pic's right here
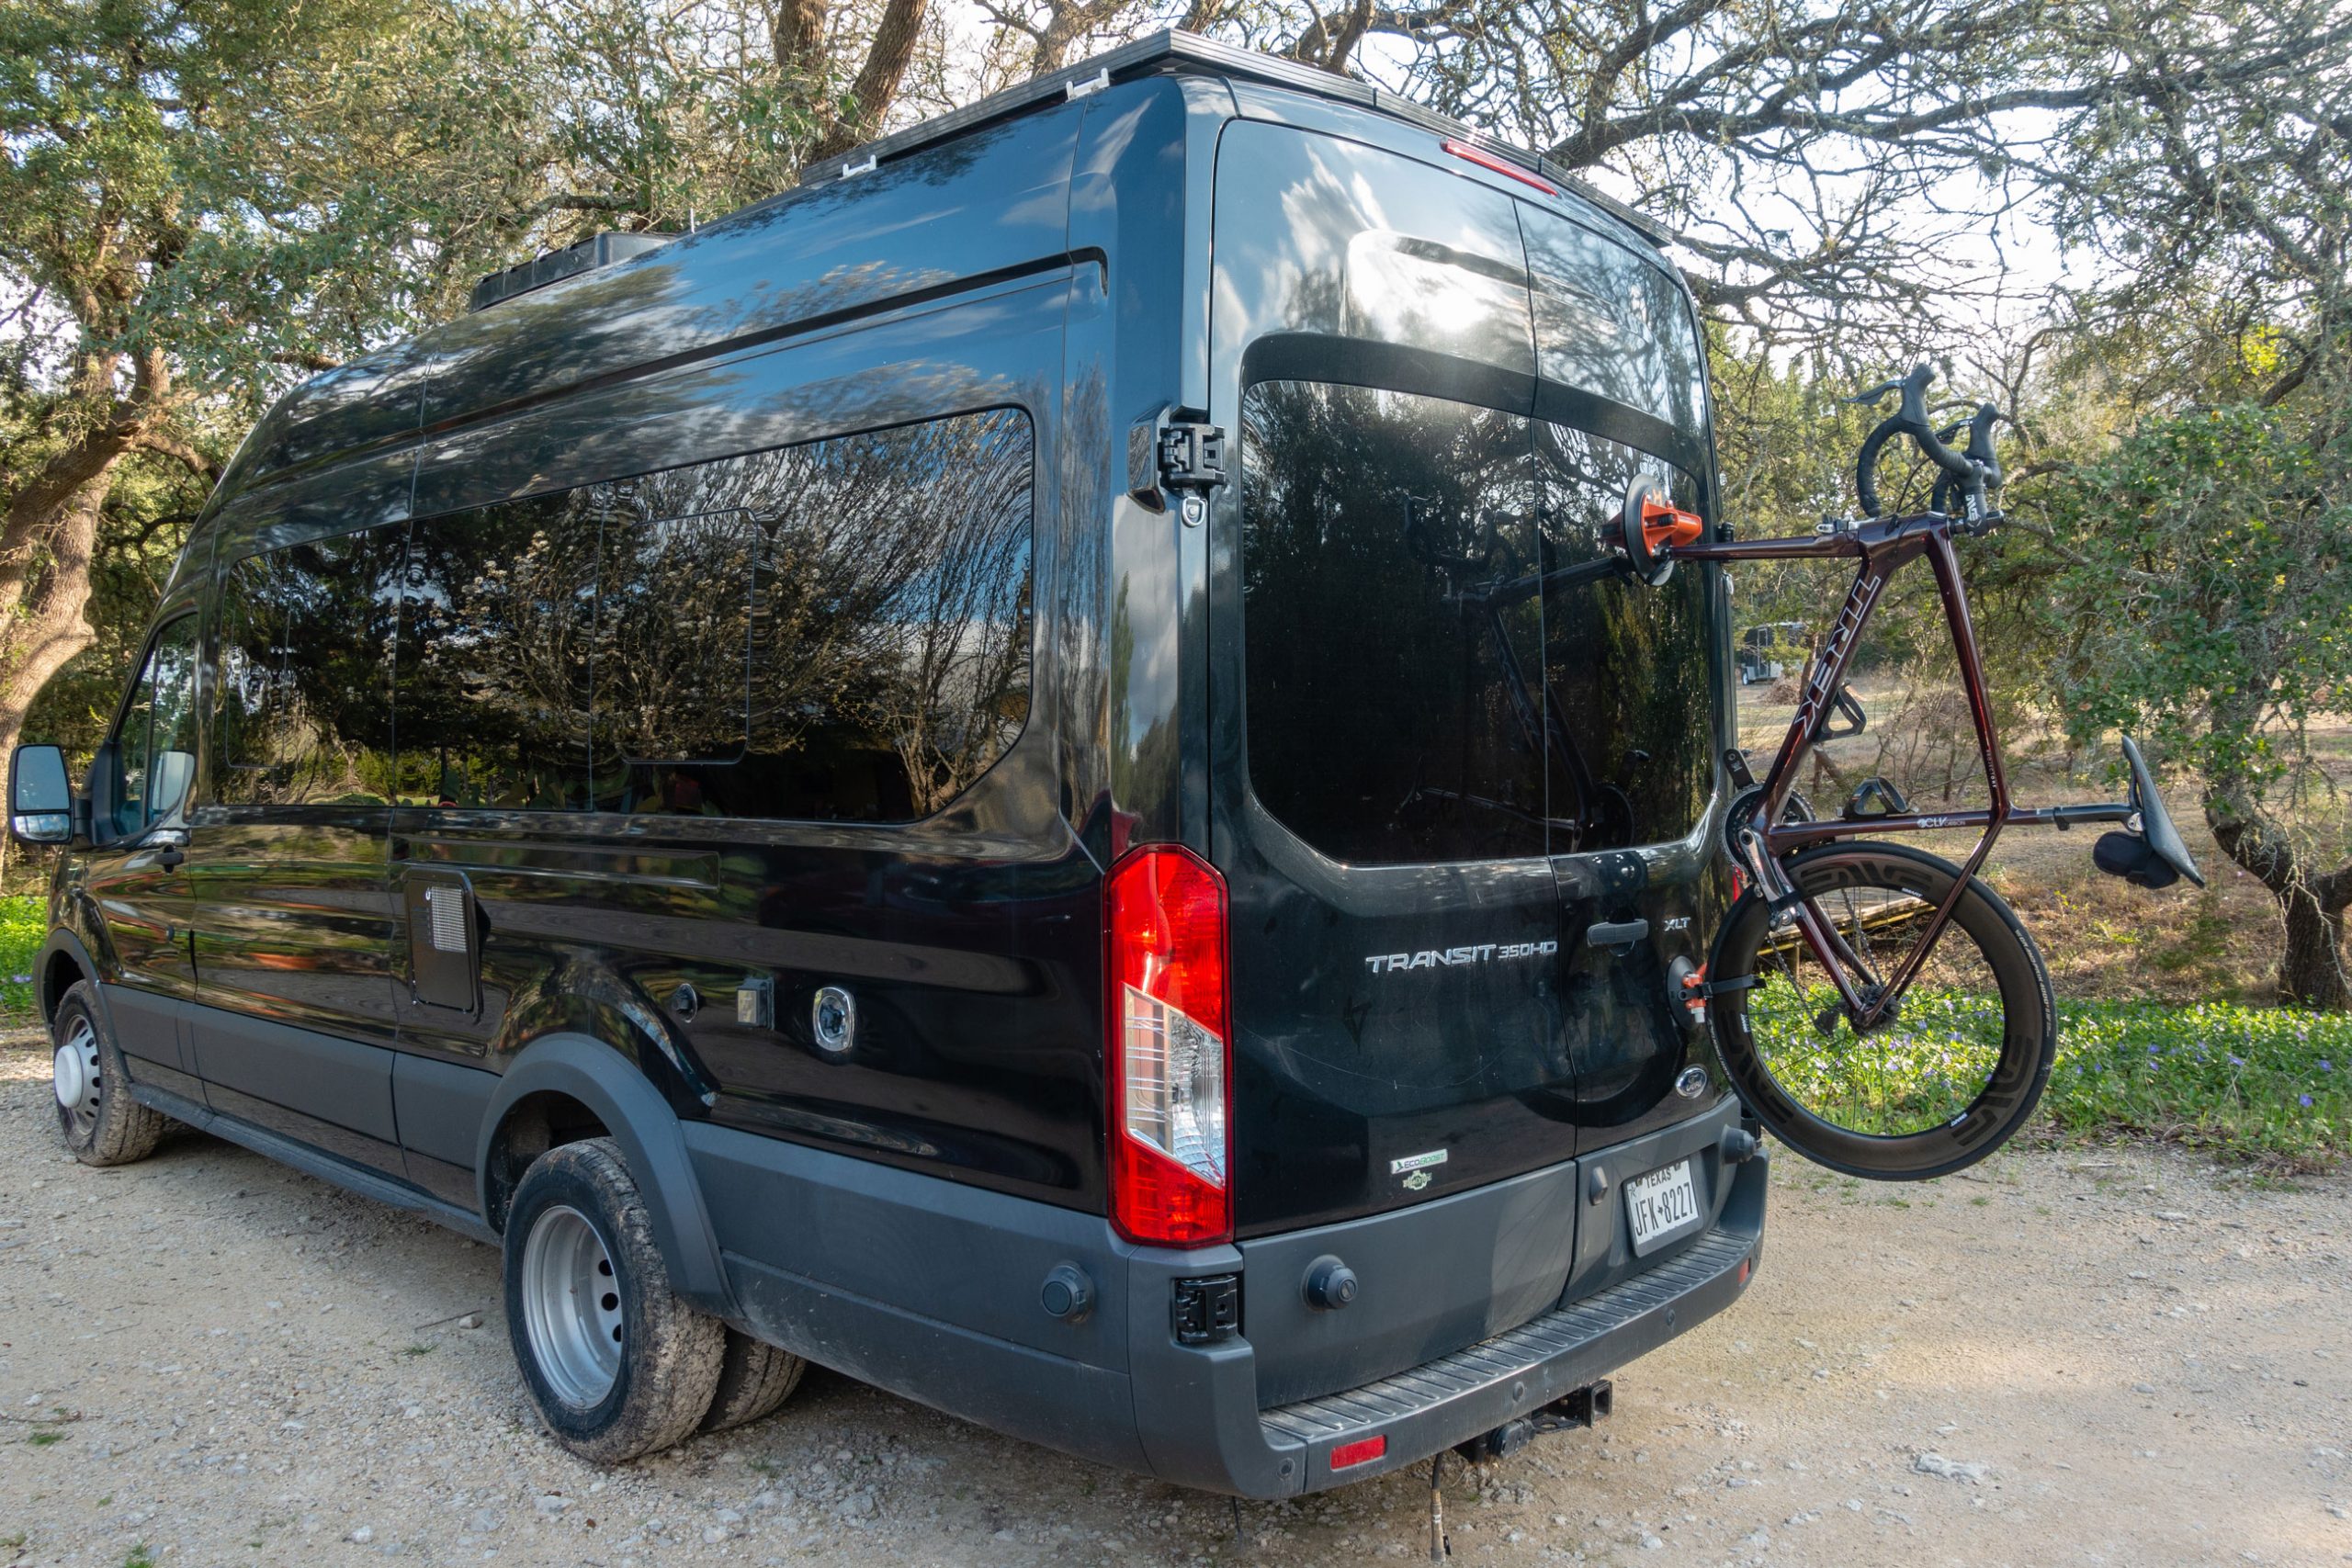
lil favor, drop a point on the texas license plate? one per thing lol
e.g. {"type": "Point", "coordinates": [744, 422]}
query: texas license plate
{"type": "Point", "coordinates": [1662, 1206]}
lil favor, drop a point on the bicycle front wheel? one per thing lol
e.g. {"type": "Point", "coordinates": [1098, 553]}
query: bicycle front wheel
{"type": "Point", "coordinates": [1947, 1079]}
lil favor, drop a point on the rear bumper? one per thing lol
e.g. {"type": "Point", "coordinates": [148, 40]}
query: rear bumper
{"type": "Point", "coordinates": [932, 1288]}
{"type": "Point", "coordinates": [1457, 1397]}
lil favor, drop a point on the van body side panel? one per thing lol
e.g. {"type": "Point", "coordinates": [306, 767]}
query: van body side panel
{"type": "Point", "coordinates": [992, 202]}
{"type": "Point", "coordinates": [961, 924]}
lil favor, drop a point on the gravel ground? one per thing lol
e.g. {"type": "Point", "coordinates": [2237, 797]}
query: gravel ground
{"type": "Point", "coordinates": [2122, 1356]}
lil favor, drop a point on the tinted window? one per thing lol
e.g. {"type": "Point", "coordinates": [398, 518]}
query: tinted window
{"type": "Point", "coordinates": [1608, 322]}
{"type": "Point", "coordinates": [849, 639]}
{"type": "Point", "coordinates": [1384, 723]}
{"type": "Point", "coordinates": [155, 742]}
{"type": "Point", "coordinates": [1628, 681]}
{"type": "Point", "coordinates": [497, 615]}
{"type": "Point", "coordinates": [833, 631]}
{"type": "Point", "coordinates": [305, 692]}
{"type": "Point", "coordinates": [1444, 661]}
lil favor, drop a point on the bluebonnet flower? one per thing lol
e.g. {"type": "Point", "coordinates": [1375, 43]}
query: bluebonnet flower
{"type": "Point", "coordinates": [2306, 1100]}
{"type": "Point", "coordinates": [2237, 1061]}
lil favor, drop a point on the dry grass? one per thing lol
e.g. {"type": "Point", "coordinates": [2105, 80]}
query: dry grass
{"type": "Point", "coordinates": [2104, 939]}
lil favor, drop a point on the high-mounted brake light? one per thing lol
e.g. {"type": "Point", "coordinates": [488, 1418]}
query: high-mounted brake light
{"type": "Point", "coordinates": [1503, 166]}
{"type": "Point", "coordinates": [1169, 1057]}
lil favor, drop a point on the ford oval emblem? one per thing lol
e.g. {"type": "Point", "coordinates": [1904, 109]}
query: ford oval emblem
{"type": "Point", "coordinates": [1693, 1083]}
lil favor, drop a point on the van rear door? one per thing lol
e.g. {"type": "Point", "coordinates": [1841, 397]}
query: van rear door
{"type": "Point", "coordinates": [1450, 736]}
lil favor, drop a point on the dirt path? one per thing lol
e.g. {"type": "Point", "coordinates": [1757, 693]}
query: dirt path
{"type": "Point", "coordinates": [2122, 1358]}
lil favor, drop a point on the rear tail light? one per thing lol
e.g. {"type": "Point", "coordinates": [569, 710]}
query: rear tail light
{"type": "Point", "coordinates": [1169, 1057]}
{"type": "Point", "coordinates": [1363, 1450]}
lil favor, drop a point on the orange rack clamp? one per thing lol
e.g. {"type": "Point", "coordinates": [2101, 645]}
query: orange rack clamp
{"type": "Point", "coordinates": [1663, 525]}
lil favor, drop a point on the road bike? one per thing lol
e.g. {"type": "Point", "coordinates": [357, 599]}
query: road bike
{"type": "Point", "coordinates": [1878, 1007]}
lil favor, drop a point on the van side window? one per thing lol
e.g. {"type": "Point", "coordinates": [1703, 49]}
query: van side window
{"type": "Point", "coordinates": [497, 610]}
{"type": "Point", "coordinates": [848, 640]}
{"type": "Point", "coordinates": [155, 741]}
{"type": "Point", "coordinates": [305, 638]}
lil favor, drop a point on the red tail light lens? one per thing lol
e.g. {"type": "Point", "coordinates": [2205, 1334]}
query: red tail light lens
{"type": "Point", "coordinates": [1169, 1056]}
{"type": "Point", "coordinates": [1363, 1450]}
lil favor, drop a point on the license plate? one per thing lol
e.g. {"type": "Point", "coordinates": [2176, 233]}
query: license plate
{"type": "Point", "coordinates": [1662, 1206]}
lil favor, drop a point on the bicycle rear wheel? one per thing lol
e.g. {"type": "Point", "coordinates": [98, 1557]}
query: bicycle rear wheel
{"type": "Point", "coordinates": [1946, 1080]}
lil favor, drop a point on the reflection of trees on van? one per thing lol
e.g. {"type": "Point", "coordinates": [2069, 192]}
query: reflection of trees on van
{"type": "Point", "coordinates": [856, 636]}
{"type": "Point", "coordinates": [1381, 724]}
{"type": "Point", "coordinates": [1387, 722]}
{"type": "Point", "coordinates": [834, 630]}
{"type": "Point", "coordinates": [498, 608]}
{"type": "Point", "coordinates": [305, 638]}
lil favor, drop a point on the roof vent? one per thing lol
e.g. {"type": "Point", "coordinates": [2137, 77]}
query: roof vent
{"type": "Point", "coordinates": [597, 249]}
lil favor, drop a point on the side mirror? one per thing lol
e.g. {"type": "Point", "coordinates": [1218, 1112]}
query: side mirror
{"type": "Point", "coordinates": [40, 796]}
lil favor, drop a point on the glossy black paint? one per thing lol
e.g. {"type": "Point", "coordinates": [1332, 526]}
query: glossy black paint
{"type": "Point", "coordinates": [1410, 976]}
{"type": "Point", "coordinates": [472, 539]}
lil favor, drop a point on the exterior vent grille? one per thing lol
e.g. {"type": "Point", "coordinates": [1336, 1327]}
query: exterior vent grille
{"type": "Point", "coordinates": [448, 906]}
{"type": "Point", "coordinates": [597, 249]}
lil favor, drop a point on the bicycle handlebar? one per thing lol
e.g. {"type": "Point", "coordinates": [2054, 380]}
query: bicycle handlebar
{"type": "Point", "coordinates": [1967, 475]}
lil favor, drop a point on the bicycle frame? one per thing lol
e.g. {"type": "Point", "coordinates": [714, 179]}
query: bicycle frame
{"type": "Point", "coordinates": [1883, 547]}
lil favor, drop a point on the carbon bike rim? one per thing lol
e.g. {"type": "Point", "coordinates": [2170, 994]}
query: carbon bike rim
{"type": "Point", "coordinates": [1944, 1082]}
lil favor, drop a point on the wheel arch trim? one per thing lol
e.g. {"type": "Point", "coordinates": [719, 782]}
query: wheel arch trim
{"type": "Point", "coordinates": [652, 1146]}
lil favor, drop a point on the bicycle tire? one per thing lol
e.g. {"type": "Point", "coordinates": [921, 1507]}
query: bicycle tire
{"type": "Point", "coordinates": [2028, 1015]}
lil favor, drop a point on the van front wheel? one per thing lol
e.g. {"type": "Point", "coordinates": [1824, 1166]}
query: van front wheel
{"type": "Point", "coordinates": [618, 1365]}
{"type": "Point", "coordinates": [101, 1124]}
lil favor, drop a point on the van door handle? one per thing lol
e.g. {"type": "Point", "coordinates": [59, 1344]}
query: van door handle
{"type": "Point", "coordinates": [1618, 935]}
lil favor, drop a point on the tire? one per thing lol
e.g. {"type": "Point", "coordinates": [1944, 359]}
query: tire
{"type": "Point", "coordinates": [616, 1363]}
{"type": "Point", "coordinates": [754, 1377]}
{"type": "Point", "coordinates": [103, 1125]}
{"type": "Point", "coordinates": [1996, 1032]}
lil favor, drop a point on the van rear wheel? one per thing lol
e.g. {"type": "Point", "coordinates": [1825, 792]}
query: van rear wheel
{"type": "Point", "coordinates": [755, 1378]}
{"type": "Point", "coordinates": [616, 1363]}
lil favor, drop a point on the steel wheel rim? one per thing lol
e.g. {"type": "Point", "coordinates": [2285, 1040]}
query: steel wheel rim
{"type": "Point", "coordinates": [571, 1306]}
{"type": "Point", "coordinates": [74, 1077]}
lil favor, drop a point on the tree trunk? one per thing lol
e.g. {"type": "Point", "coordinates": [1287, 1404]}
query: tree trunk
{"type": "Point", "coordinates": [2311, 964]}
{"type": "Point", "coordinates": [2311, 970]}
{"type": "Point", "coordinates": [51, 629]}
{"type": "Point", "coordinates": [878, 80]}
{"type": "Point", "coordinates": [796, 27]}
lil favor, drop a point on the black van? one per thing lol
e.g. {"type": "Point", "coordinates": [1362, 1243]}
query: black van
{"type": "Point", "coordinates": [1029, 772]}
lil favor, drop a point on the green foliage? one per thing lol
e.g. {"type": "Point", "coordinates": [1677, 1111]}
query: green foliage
{"type": "Point", "coordinates": [24, 926]}
{"type": "Point", "coordinates": [2211, 587]}
{"type": "Point", "coordinates": [2266, 1083]}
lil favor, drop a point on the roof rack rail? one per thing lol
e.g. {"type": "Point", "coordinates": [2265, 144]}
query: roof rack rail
{"type": "Point", "coordinates": [1173, 51]}
{"type": "Point", "coordinates": [551, 266]}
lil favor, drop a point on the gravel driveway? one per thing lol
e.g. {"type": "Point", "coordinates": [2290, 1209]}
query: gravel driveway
{"type": "Point", "coordinates": [2105, 1357]}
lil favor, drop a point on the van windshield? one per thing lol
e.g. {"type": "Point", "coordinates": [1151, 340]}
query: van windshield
{"type": "Point", "coordinates": [1443, 663]}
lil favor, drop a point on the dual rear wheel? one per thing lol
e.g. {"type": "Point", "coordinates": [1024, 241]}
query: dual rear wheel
{"type": "Point", "coordinates": [617, 1364]}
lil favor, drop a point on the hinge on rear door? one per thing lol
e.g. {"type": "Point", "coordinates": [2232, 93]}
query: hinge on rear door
{"type": "Point", "coordinates": [1192, 456]}
{"type": "Point", "coordinates": [1172, 454]}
